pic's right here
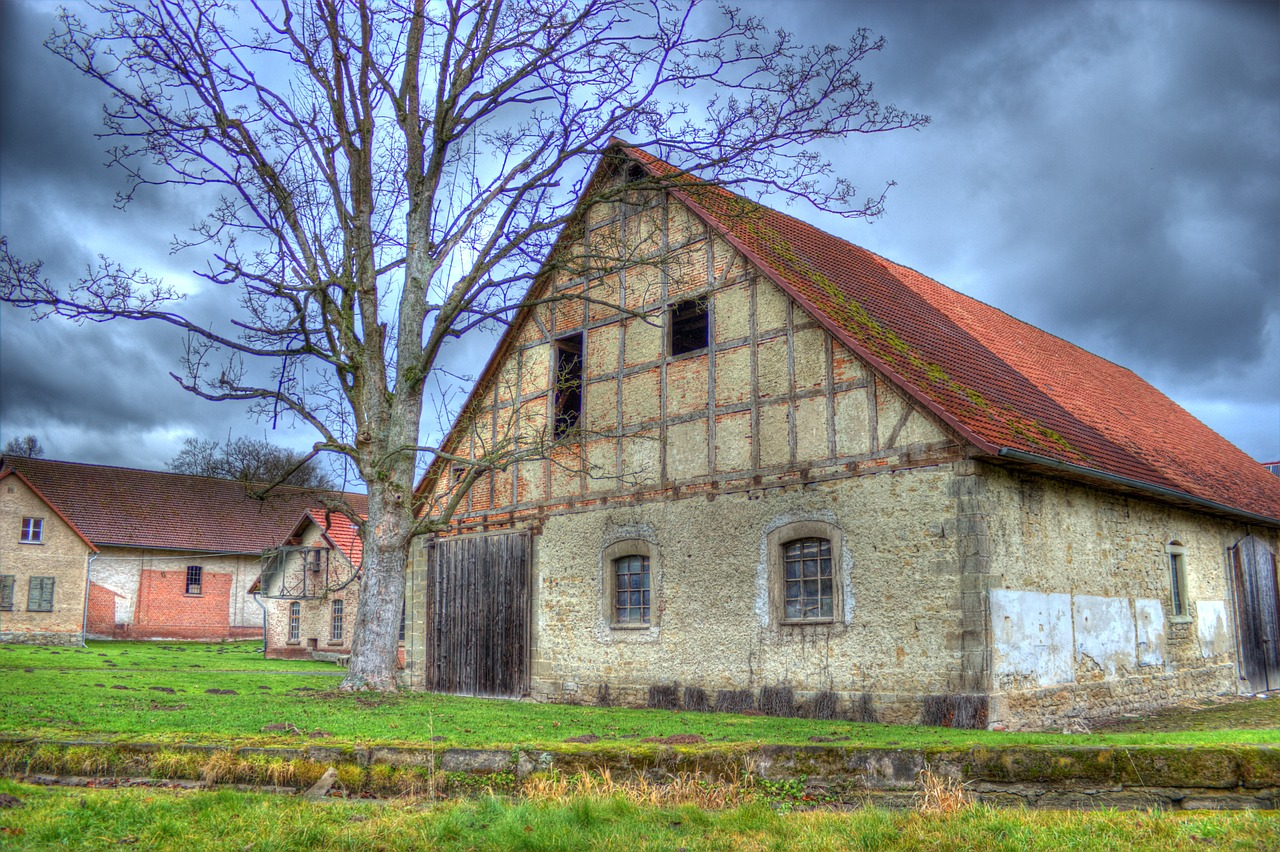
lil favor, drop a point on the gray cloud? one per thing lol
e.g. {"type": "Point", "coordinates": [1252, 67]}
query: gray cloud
{"type": "Point", "coordinates": [1109, 171]}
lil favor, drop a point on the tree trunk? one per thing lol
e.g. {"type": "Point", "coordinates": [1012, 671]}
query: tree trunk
{"type": "Point", "coordinates": [376, 637]}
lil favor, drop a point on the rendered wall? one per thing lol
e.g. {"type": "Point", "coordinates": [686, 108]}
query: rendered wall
{"type": "Point", "coordinates": [61, 554]}
{"type": "Point", "coordinates": [895, 640]}
{"type": "Point", "coordinates": [1081, 618]}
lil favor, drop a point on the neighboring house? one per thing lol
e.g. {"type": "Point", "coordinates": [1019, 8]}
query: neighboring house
{"type": "Point", "coordinates": [310, 588]}
{"type": "Point", "coordinates": [44, 562]}
{"type": "Point", "coordinates": [796, 476]}
{"type": "Point", "coordinates": [176, 553]}
{"type": "Point", "coordinates": [1273, 467]}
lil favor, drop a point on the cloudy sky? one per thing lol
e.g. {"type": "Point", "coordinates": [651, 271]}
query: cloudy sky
{"type": "Point", "coordinates": [1108, 171]}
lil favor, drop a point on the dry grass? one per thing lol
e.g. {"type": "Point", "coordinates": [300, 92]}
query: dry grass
{"type": "Point", "coordinates": [687, 788]}
{"type": "Point", "coordinates": [940, 794]}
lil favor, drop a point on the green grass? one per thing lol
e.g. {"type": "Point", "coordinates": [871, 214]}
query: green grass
{"type": "Point", "coordinates": [120, 691]}
{"type": "Point", "coordinates": [151, 819]}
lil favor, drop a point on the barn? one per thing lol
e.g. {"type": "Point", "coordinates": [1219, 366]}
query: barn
{"type": "Point", "coordinates": [723, 459]}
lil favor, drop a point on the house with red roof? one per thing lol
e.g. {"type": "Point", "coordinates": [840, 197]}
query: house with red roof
{"type": "Point", "coordinates": [173, 555]}
{"type": "Point", "coordinates": [310, 588]}
{"type": "Point", "coordinates": [723, 459]}
{"type": "Point", "coordinates": [44, 561]}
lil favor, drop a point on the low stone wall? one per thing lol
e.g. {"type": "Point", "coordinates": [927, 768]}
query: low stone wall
{"type": "Point", "coordinates": [1077, 777]}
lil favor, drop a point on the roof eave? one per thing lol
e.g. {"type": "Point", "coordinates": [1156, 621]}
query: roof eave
{"type": "Point", "coordinates": [1165, 494]}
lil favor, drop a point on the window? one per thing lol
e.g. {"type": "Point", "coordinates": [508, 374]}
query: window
{"type": "Point", "coordinates": [1178, 580]}
{"type": "Point", "coordinates": [40, 595]}
{"type": "Point", "coordinates": [32, 530]}
{"type": "Point", "coordinates": [295, 621]}
{"type": "Point", "coordinates": [804, 569]}
{"type": "Point", "coordinates": [402, 615]}
{"type": "Point", "coordinates": [568, 389]}
{"type": "Point", "coordinates": [335, 632]}
{"type": "Point", "coordinates": [631, 590]}
{"type": "Point", "coordinates": [808, 588]}
{"type": "Point", "coordinates": [629, 571]}
{"type": "Point", "coordinates": [6, 592]}
{"type": "Point", "coordinates": [195, 574]}
{"type": "Point", "coordinates": [687, 326]}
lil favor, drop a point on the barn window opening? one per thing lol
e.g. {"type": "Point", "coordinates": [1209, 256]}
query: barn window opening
{"type": "Point", "coordinates": [631, 584]}
{"type": "Point", "coordinates": [335, 632]}
{"type": "Point", "coordinates": [688, 326]}
{"type": "Point", "coordinates": [1178, 580]}
{"type": "Point", "coordinates": [568, 388]}
{"type": "Point", "coordinates": [195, 579]}
{"type": "Point", "coordinates": [808, 587]}
{"type": "Point", "coordinates": [295, 621]}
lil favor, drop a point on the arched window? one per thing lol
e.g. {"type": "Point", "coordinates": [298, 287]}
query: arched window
{"type": "Point", "coordinates": [808, 583]}
{"type": "Point", "coordinates": [630, 587]}
{"type": "Point", "coordinates": [804, 573]}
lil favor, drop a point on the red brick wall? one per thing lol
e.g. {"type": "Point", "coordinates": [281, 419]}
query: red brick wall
{"type": "Point", "coordinates": [165, 610]}
{"type": "Point", "coordinates": [102, 610]}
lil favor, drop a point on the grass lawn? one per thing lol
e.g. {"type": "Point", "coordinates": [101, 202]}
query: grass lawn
{"type": "Point", "coordinates": [228, 694]}
{"type": "Point", "coordinates": [149, 819]}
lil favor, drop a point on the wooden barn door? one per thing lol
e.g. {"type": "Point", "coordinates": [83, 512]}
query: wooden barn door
{"type": "Point", "coordinates": [1257, 612]}
{"type": "Point", "coordinates": [478, 615]}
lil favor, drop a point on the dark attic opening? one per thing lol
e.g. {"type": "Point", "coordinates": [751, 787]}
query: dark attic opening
{"type": "Point", "coordinates": [568, 384]}
{"type": "Point", "coordinates": [688, 324]}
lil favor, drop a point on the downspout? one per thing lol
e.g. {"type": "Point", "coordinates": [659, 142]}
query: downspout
{"type": "Point", "coordinates": [258, 600]}
{"type": "Point", "coordinates": [88, 578]}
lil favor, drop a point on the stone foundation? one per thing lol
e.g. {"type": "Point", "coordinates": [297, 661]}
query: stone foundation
{"type": "Point", "coordinates": [39, 638]}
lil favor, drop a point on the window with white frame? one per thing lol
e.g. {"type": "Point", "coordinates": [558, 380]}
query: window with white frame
{"type": "Point", "coordinates": [335, 621]}
{"type": "Point", "coordinates": [32, 530]}
{"type": "Point", "coordinates": [1179, 602]}
{"type": "Point", "coordinates": [295, 621]}
{"type": "Point", "coordinates": [804, 573]}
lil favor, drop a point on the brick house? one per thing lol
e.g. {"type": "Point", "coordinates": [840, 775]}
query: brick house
{"type": "Point", "coordinates": [793, 475]}
{"type": "Point", "coordinates": [44, 562]}
{"type": "Point", "coordinates": [310, 588]}
{"type": "Point", "coordinates": [175, 554]}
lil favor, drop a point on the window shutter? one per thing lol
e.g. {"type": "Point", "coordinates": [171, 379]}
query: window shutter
{"type": "Point", "coordinates": [40, 594]}
{"type": "Point", "coordinates": [6, 592]}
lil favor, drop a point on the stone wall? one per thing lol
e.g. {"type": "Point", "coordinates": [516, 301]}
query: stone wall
{"type": "Point", "coordinates": [60, 554]}
{"type": "Point", "coordinates": [1080, 602]}
{"type": "Point", "coordinates": [896, 638]}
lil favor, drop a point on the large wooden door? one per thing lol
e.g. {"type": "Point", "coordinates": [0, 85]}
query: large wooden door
{"type": "Point", "coordinates": [478, 594]}
{"type": "Point", "coordinates": [1257, 612]}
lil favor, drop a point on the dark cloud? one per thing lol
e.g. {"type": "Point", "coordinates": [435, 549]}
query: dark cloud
{"type": "Point", "coordinates": [1109, 171]}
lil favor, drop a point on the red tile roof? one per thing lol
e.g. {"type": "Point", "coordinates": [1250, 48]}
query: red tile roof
{"type": "Point", "coordinates": [151, 509]}
{"type": "Point", "coordinates": [1009, 388]}
{"type": "Point", "coordinates": [8, 471]}
{"type": "Point", "coordinates": [340, 532]}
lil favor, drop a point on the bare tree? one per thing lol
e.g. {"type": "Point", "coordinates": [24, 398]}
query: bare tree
{"type": "Point", "coordinates": [391, 175]}
{"type": "Point", "coordinates": [27, 446]}
{"type": "Point", "coordinates": [252, 460]}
